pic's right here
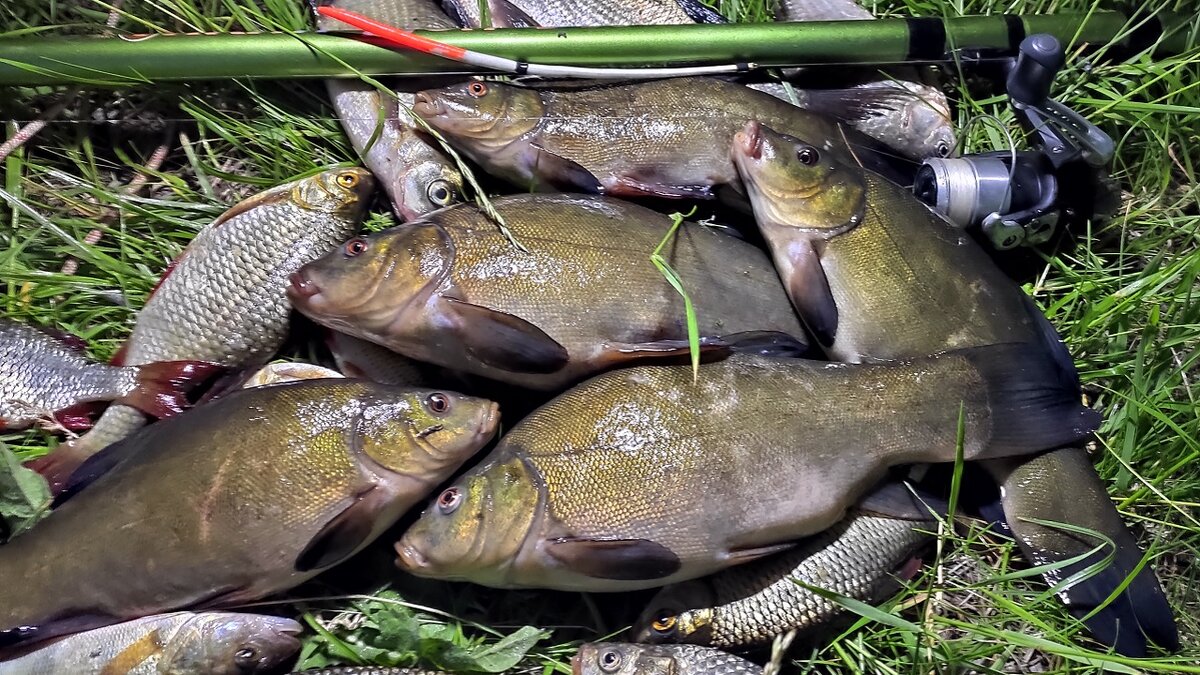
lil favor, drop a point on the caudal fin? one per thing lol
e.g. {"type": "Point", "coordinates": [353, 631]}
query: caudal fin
{"type": "Point", "coordinates": [162, 387]}
{"type": "Point", "coordinates": [1033, 399]}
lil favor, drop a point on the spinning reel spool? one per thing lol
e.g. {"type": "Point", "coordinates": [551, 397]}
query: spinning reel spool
{"type": "Point", "coordinates": [1019, 198]}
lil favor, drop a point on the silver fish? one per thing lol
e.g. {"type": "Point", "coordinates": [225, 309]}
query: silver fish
{"type": "Point", "coordinates": [181, 643]}
{"type": "Point", "coordinates": [223, 299]}
{"type": "Point", "coordinates": [50, 380]}
{"type": "Point", "coordinates": [561, 13]}
{"type": "Point", "coordinates": [417, 176]}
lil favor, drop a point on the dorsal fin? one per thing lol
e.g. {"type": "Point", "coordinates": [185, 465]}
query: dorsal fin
{"type": "Point", "coordinates": [272, 196]}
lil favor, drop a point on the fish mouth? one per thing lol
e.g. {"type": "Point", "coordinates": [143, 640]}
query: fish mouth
{"type": "Point", "coordinates": [490, 420]}
{"type": "Point", "coordinates": [750, 140]}
{"type": "Point", "coordinates": [409, 558]}
{"type": "Point", "coordinates": [300, 286]}
{"type": "Point", "coordinates": [426, 106]}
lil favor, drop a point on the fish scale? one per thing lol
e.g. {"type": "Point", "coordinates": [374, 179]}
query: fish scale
{"type": "Point", "coordinates": [224, 300]}
{"type": "Point", "coordinates": [637, 659]}
{"type": "Point", "coordinates": [562, 13]}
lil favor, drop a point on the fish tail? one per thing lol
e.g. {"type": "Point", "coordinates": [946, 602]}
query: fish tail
{"type": "Point", "coordinates": [162, 388]}
{"type": "Point", "coordinates": [58, 466]}
{"type": "Point", "coordinates": [1062, 487]}
{"type": "Point", "coordinates": [1033, 398]}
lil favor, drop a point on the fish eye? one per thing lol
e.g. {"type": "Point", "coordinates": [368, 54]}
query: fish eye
{"type": "Point", "coordinates": [246, 657]}
{"type": "Point", "coordinates": [610, 660]}
{"type": "Point", "coordinates": [347, 180]}
{"type": "Point", "coordinates": [355, 247]}
{"type": "Point", "coordinates": [439, 192]}
{"type": "Point", "coordinates": [665, 623]}
{"type": "Point", "coordinates": [438, 403]}
{"type": "Point", "coordinates": [808, 155]}
{"type": "Point", "coordinates": [449, 501]}
{"type": "Point", "coordinates": [943, 149]}
{"type": "Point", "coordinates": [477, 89]}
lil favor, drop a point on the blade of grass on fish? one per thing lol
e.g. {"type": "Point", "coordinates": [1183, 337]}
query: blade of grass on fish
{"type": "Point", "coordinates": [672, 278]}
{"type": "Point", "coordinates": [861, 608]}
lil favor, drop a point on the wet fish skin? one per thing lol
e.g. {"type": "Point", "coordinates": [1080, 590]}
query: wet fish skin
{"type": "Point", "coordinates": [840, 234]}
{"type": "Point", "coordinates": [453, 291]}
{"type": "Point", "coordinates": [181, 643]}
{"type": "Point", "coordinates": [257, 491]}
{"type": "Point", "coordinates": [667, 138]}
{"type": "Point", "coordinates": [356, 357]}
{"type": "Point", "coordinates": [47, 379]}
{"type": "Point", "coordinates": [223, 300]}
{"type": "Point", "coordinates": [575, 497]}
{"type": "Point", "coordinates": [615, 658]}
{"type": "Point", "coordinates": [750, 604]}
{"type": "Point", "coordinates": [417, 176]}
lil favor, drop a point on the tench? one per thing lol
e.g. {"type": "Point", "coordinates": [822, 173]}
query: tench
{"type": "Point", "coordinates": [450, 289]}
{"type": "Point", "coordinates": [249, 494]}
{"type": "Point", "coordinates": [356, 357]}
{"type": "Point", "coordinates": [617, 658]}
{"type": "Point", "coordinates": [181, 643]}
{"type": "Point", "coordinates": [49, 379]}
{"type": "Point", "coordinates": [877, 275]}
{"type": "Point", "coordinates": [416, 174]}
{"type": "Point", "coordinates": [223, 299]}
{"type": "Point", "coordinates": [563, 13]}
{"type": "Point", "coordinates": [641, 477]}
{"type": "Point", "coordinates": [667, 138]}
{"type": "Point", "coordinates": [862, 557]}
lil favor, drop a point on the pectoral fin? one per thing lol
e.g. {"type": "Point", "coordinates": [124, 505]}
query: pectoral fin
{"type": "Point", "coordinates": [769, 343]}
{"type": "Point", "coordinates": [622, 559]}
{"type": "Point", "coordinates": [711, 349]}
{"type": "Point", "coordinates": [740, 556]}
{"type": "Point", "coordinates": [341, 537]}
{"type": "Point", "coordinates": [505, 341]}
{"type": "Point", "coordinates": [809, 290]}
{"type": "Point", "coordinates": [562, 173]}
{"type": "Point", "coordinates": [631, 186]}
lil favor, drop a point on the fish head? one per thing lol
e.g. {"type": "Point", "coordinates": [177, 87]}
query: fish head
{"type": "Point", "coordinates": [670, 616]}
{"type": "Point", "coordinates": [224, 643]}
{"type": "Point", "coordinates": [475, 529]}
{"type": "Point", "coordinates": [489, 114]}
{"type": "Point", "coordinates": [339, 192]}
{"type": "Point", "coordinates": [425, 434]}
{"type": "Point", "coordinates": [426, 186]}
{"type": "Point", "coordinates": [792, 183]}
{"type": "Point", "coordinates": [364, 287]}
{"type": "Point", "coordinates": [931, 129]}
{"type": "Point", "coordinates": [618, 658]}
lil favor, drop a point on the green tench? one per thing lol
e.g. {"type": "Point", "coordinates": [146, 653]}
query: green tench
{"type": "Point", "coordinates": [223, 299]}
{"type": "Point", "coordinates": [618, 658]}
{"type": "Point", "coordinates": [861, 557]}
{"type": "Point", "coordinates": [50, 380]}
{"type": "Point", "coordinates": [244, 496]}
{"type": "Point", "coordinates": [666, 138]}
{"type": "Point", "coordinates": [416, 174]}
{"type": "Point", "coordinates": [356, 357]}
{"type": "Point", "coordinates": [450, 289]}
{"type": "Point", "coordinates": [182, 643]}
{"type": "Point", "coordinates": [641, 477]}
{"type": "Point", "coordinates": [877, 275]}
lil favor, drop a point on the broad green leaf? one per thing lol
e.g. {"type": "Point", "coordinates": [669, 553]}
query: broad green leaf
{"type": "Point", "coordinates": [24, 495]}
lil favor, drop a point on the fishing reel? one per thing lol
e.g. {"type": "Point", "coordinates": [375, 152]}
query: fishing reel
{"type": "Point", "coordinates": [1019, 198]}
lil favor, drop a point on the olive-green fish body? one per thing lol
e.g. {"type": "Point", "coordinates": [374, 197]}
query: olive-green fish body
{"type": "Point", "coordinates": [181, 643]}
{"type": "Point", "coordinates": [247, 495]}
{"type": "Point", "coordinates": [667, 138]}
{"type": "Point", "coordinates": [453, 291]}
{"type": "Point", "coordinates": [224, 299]}
{"type": "Point", "coordinates": [640, 476]}
{"type": "Point", "coordinates": [615, 658]}
{"type": "Point", "coordinates": [750, 604]}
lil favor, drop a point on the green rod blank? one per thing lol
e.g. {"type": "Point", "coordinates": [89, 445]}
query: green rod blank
{"type": "Point", "coordinates": [41, 60]}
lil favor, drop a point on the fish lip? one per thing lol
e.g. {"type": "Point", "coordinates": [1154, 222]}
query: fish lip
{"type": "Point", "coordinates": [491, 420]}
{"type": "Point", "coordinates": [750, 140]}
{"type": "Point", "coordinates": [300, 286]}
{"type": "Point", "coordinates": [409, 557]}
{"type": "Point", "coordinates": [426, 106]}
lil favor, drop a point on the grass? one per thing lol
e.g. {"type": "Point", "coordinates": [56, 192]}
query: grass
{"type": "Point", "coordinates": [1124, 298]}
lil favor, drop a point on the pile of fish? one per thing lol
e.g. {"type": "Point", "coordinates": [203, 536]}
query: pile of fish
{"type": "Point", "coordinates": [847, 337]}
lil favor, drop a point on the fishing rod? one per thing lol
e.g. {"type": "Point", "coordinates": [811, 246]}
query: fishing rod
{"type": "Point", "coordinates": [140, 59]}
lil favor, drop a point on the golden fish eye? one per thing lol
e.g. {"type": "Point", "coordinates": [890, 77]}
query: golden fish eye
{"type": "Point", "coordinates": [347, 180]}
{"type": "Point", "coordinates": [439, 192]}
{"type": "Point", "coordinates": [477, 89]}
{"type": "Point", "coordinates": [355, 247]}
{"type": "Point", "coordinates": [663, 624]}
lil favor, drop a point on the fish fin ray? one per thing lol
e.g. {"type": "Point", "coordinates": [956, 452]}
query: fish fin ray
{"type": "Point", "coordinates": [631, 186]}
{"type": "Point", "coordinates": [616, 353]}
{"type": "Point", "coordinates": [273, 196]}
{"type": "Point", "coordinates": [562, 173]}
{"type": "Point", "coordinates": [505, 341]}
{"type": "Point", "coordinates": [342, 536]}
{"type": "Point", "coordinates": [740, 556]}
{"type": "Point", "coordinates": [162, 387]}
{"type": "Point", "coordinates": [810, 293]}
{"type": "Point", "coordinates": [769, 343]}
{"type": "Point", "coordinates": [78, 417]}
{"type": "Point", "coordinates": [621, 559]}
